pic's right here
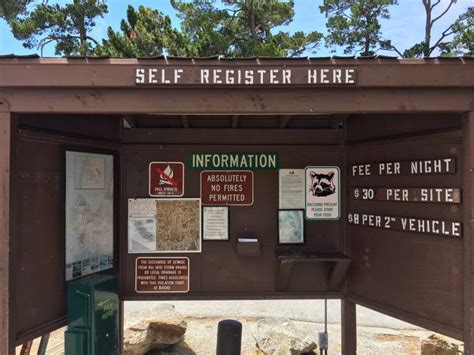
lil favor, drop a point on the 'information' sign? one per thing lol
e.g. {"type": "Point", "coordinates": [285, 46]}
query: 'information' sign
{"type": "Point", "coordinates": [234, 161]}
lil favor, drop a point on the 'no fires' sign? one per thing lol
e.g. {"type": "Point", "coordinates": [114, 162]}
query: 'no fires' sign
{"type": "Point", "coordinates": [166, 179]}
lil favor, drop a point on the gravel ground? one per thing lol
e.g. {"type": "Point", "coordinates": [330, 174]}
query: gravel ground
{"type": "Point", "coordinates": [377, 334]}
{"type": "Point", "coordinates": [303, 310]}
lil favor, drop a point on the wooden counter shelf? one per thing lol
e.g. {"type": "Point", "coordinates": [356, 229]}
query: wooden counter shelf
{"type": "Point", "coordinates": [286, 262]}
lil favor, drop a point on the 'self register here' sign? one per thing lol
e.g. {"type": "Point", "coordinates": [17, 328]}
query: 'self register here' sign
{"type": "Point", "coordinates": [244, 76]}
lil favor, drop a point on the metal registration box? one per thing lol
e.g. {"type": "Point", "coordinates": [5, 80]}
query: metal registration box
{"type": "Point", "coordinates": [93, 316]}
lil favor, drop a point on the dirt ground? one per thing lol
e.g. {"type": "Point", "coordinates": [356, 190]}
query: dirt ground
{"type": "Point", "coordinates": [377, 334]}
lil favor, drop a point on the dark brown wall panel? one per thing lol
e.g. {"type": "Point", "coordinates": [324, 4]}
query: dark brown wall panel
{"type": "Point", "coordinates": [218, 269]}
{"type": "Point", "coordinates": [38, 287]}
{"type": "Point", "coordinates": [39, 279]}
{"type": "Point", "coordinates": [416, 274]}
{"type": "Point", "coordinates": [94, 126]}
{"type": "Point", "coordinates": [369, 126]}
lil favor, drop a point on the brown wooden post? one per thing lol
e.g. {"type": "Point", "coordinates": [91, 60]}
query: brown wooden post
{"type": "Point", "coordinates": [468, 201]}
{"type": "Point", "coordinates": [26, 348]}
{"type": "Point", "coordinates": [348, 327]}
{"type": "Point", "coordinates": [4, 224]}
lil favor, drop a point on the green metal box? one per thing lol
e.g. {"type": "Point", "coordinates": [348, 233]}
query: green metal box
{"type": "Point", "coordinates": [93, 316]}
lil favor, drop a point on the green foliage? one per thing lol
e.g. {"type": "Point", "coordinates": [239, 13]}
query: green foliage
{"type": "Point", "coordinates": [242, 28]}
{"type": "Point", "coordinates": [463, 36]}
{"type": "Point", "coordinates": [9, 9]}
{"type": "Point", "coordinates": [68, 26]}
{"type": "Point", "coordinates": [355, 24]}
{"type": "Point", "coordinates": [416, 51]}
{"type": "Point", "coordinates": [145, 33]}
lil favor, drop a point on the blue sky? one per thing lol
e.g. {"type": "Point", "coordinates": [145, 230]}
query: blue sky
{"type": "Point", "coordinates": [405, 27]}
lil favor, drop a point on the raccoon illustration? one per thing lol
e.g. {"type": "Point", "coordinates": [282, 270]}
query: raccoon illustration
{"type": "Point", "coordinates": [321, 184]}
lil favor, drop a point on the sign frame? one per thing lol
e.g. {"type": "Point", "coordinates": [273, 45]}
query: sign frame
{"type": "Point", "coordinates": [163, 257]}
{"type": "Point", "coordinates": [75, 149]}
{"type": "Point", "coordinates": [338, 193]}
{"type": "Point", "coordinates": [282, 173]}
{"type": "Point", "coordinates": [203, 207]}
{"type": "Point", "coordinates": [303, 229]}
{"type": "Point", "coordinates": [230, 171]}
{"type": "Point", "coordinates": [166, 162]}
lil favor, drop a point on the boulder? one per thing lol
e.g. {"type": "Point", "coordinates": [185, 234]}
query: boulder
{"type": "Point", "coordinates": [153, 329]}
{"type": "Point", "coordinates": [438, 345]}
{"type": "Point", "coordinates": [280, 337]}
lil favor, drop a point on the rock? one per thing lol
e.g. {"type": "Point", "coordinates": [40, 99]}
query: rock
{"type": "Point", "coordinates": [156, 328]}
{"type": "Point", "coordinates": [437, 345]}
{"type": "Point", "coordinates": [280, 337]}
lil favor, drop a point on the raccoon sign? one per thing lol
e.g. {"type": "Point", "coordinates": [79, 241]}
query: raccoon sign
{"type": "Point", "coordinates": [322, 193]}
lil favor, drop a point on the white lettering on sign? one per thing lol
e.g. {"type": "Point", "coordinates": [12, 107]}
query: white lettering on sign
{"type": "Point", "coordinates": [411, 167]}
{"type": "Point", "coordinates": [389, 168]}
{"type": "Point", "coordinates": [140, 76]}
{"type": "Point", "coordinates": [407, 224]}
{"type": "Point", "coordinates": [177, 75]}
{"type": "Point", "coordinates": [227, 187]}
{"type": "Point", "coordinates": [236, 76]}
{"type": "Point", "coordinates": [408, 194]}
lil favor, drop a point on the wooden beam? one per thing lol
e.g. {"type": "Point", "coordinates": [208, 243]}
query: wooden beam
{"type": "Point", "coordinates": [5, 142]}
{"type": "Point", "coordinates": [283, 121]}
{"type": "Point", "coordinates": [337, 121]}
{"type": "Point", "coordinates": [349, 328]}
{"type": "Point", "coordinates": [185, 121]}
{"type": "Point", "coordinates": [338, 274]}
{"type": "Point", "coordinates": [284, 273]}
{"type": "Point", "coordinates": [339, 262]}
{"type": "Point", "coordinates": [230, 136]}
{"type": "Point", "coordinates": [235, 121]}
{"type": "Point", "coordinates": [221, 102]}
{"type": "Point", "coordinates": [121, 74]}
{"type": "Point", "coordinates": [128, 122]}
{"type": "Point", "coordinates": [468, 201]}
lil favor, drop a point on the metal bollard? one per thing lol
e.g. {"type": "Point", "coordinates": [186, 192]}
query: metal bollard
{"type": "Point", "coordinates": [229, 337]}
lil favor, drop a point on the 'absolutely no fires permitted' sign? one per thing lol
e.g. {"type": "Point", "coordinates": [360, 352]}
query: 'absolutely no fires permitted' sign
{"type": "Point", "coordinates": [162, 274]}
{"type": "Point", "coordinates": [166, 179]}
{"type": "Point", "coordinates": [232, 188]}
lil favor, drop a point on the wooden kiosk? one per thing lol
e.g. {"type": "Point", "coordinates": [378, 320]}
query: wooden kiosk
{"type": "Point", "coordinates": [392, 139]}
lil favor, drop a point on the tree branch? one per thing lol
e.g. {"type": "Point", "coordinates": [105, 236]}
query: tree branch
{"type": "Point", "coordinates": [395, 49]}
{"type": "Point", "coordinates": [346, 15]}
{"type": "Point", "coordinates": [44, 42]}
{"type": "Point", "coordinates": [339, 11]}
{"type": "Point", "coordinates": [447, 32]}
{"type": "Point", "coordinates": [234, 14]}
{"type": "Point", "coordinates": [93, 40]}
{"type": "Point", "coordinates": [444, 12]}
{"type": "Point", "coordinates": [435, 4]}
{"type": "Point", "coordinates": [427, 4]}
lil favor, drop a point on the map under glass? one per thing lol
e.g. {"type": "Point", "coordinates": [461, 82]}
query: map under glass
{"type": "Point", "coordinates": [89, 213]}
